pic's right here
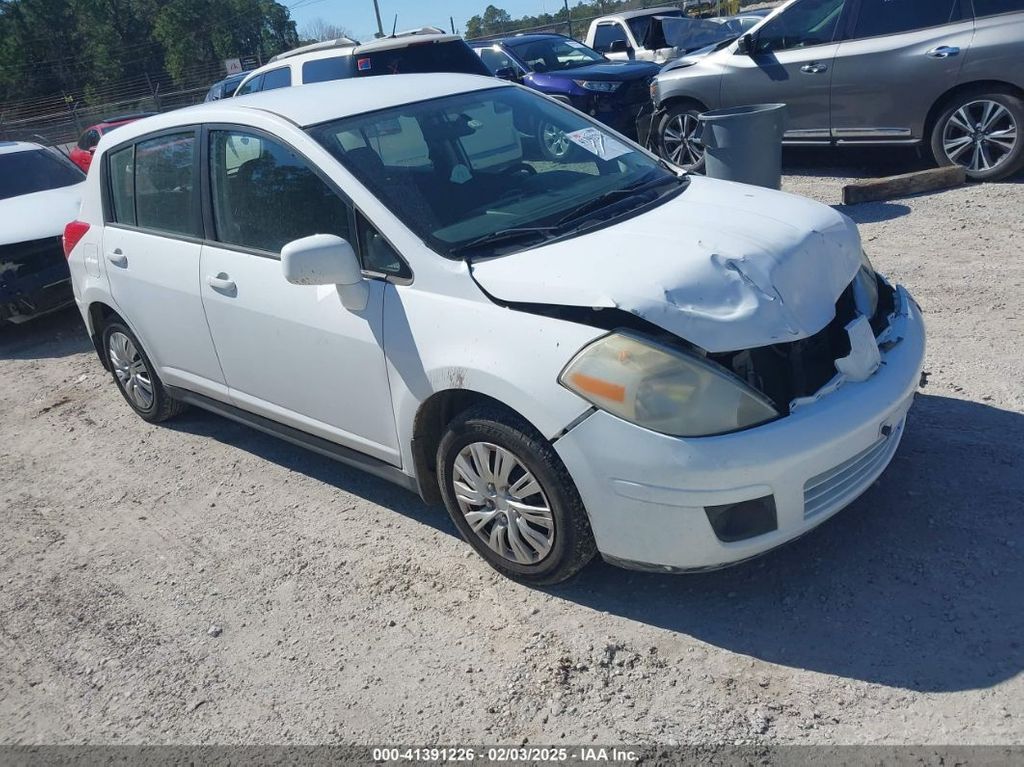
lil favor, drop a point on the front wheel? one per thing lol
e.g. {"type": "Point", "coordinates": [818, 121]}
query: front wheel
{"type": "Point", "coordinates": [512, 499]}
{"type": "Point", "coordinates": [679, 137]}
{"type": "Point", "coordinates": [981, 132]}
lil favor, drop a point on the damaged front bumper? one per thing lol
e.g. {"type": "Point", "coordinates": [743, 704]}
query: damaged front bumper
{"type": "Point", "coordinates": [651, 497]}
{"type": "Point", "coordinates": [34, 279]}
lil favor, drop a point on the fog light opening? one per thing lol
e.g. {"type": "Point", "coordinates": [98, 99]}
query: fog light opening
{"type": "Point", "coordinates": [746, 519]}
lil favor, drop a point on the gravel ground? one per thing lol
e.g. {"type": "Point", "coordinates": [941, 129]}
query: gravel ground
{"type": "Point", "coordinates": [202, 583]}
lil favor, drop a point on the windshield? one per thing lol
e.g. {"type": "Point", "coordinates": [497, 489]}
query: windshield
{"type": "Point", "coordinates": [687, 35]}
{"type": "Point", "coordinates": [554, 53]}
{"type": "Point", "coordinates": [35, 171]}
{"type": "Point", "coordinates": [465, 169]}
{"type": "Point", "coordinates": [641, 25]}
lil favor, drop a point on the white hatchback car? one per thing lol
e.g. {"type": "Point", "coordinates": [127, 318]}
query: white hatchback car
{"type": "Point", "coordinates": [597, 355]}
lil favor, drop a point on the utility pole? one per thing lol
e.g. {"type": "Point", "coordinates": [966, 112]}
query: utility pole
{"type": "Point", "coordinates": [380, 26]}
{"type": "Point", "coordinates": [568, 17]}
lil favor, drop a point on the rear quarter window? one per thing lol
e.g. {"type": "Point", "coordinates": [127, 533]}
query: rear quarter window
{"type": "Point", "coordinates": [120, 176]}
{"type": "Point", "coordinates": [323, 70]}
{"type": "Point", "coordinates": [277, 78]}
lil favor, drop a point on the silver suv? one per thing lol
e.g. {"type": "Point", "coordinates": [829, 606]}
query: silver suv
{"type": "Point", "coordinates": [947, 73]}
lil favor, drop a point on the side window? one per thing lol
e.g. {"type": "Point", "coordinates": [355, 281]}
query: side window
{"type": "Point", "coordinates": [993, 7]}
{"type": "Point", "coordinates": [271, 198]}
{"type": "Point", "coordinates": [890, 17]}
{"type": "Point", "coordinates": [164, 183]}
{"type": "Point", "coordinates": [277, 78]}
{"type": "Point", "coordinates": [378, 255]}
{"type": "Point", "coordinates": [495, 59]}
{"type": "Point", "coordinates": [606, 34]}
{"type": "Point", "coordinates": [322, 70]}
{"type": "Point", "coordinates": [806, 23]}
{"type": "Point", "coordinates": [252, 86]}
{"type": "Point", "coordinates": [121, 177]}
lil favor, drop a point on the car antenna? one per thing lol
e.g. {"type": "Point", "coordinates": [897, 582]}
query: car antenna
{"type": "Point", "coordinates": [394, 26]}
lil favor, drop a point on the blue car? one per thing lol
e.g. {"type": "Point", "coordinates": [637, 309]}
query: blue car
{"type": "Point", "coordinates": [614, 92]}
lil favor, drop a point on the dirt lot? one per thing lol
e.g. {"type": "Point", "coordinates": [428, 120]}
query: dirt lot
{"type": "Point", "coordinates": [200, 582]}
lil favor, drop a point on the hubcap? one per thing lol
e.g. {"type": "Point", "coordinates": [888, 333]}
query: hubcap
{"type": "Point", "coordinates": [130, 370]}
{"type": "Point", "coordinates": [554, 139]}
{"type": "Point", "coordinates": [679, 140]}
{"type": "Point", "coordinates": [503, 503]}
{"type": "Point", "coordinates": [980, 135]}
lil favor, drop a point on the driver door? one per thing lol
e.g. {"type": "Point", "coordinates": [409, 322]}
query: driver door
{"type": "Point", "coordinates": [791, 63]}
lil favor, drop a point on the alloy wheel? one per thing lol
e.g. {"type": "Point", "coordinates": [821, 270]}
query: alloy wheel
{"type": "Point", "coordinates": [130, 369]}
{"type": "Point", "coordinates": [556, 143]}
{"type": "Point", "coordinates": [503, 503]}
{"type": "Point", "coordinates": [680, 141]}
{"type": "Point", "coordinates": [979, 135]}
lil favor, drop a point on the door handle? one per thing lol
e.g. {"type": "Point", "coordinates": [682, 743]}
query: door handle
{"type": "Point", "coordinates": [221, 283]}
{"type": "Point", "coordinates": [814, 68]}
{"type": "Point", "coordinates": [944, 52]}
{"type": "Point", "coordinates": [117, 258]}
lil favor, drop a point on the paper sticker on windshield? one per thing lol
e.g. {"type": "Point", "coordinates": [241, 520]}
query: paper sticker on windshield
{"type": "Point", "coordinates": [575, 44]}
{"type": "Point", "coordinates": [598, 143]}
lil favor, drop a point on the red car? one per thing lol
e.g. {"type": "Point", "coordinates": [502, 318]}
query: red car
{"type": "Point", "coordinates": [81, 154]}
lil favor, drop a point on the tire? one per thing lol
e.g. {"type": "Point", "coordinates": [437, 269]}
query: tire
{"type": "Point", "coordinates": [135, 376]}
{"type": "Point", "coordinates": [552, 142]}
{"type": "Point", "coordinates": [545, 545]}
{"type": "Point", "coordinates": [677, 139]}
{"type": "Point", "coordinates": [981, 128]}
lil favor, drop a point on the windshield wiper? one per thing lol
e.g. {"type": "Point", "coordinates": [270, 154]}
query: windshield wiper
{"type": "Point", "coordinates": [612, 195]}
{"type": "Point", "coordinates": [503, 236]}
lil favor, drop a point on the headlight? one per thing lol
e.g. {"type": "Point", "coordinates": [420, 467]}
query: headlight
{"type": "Point", "coordinates": [663, 389]}
{"type": "Point", "coordinates": [865, 288]}
{"type": "Point", "coordinates": [601, 86]}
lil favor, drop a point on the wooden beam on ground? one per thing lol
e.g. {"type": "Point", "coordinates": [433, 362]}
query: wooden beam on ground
{"type": "Point", "coordinates": [930, 180]}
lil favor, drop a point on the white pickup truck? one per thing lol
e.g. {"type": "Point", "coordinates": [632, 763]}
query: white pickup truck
{"type": "Point", "coordinates": [636, 34]}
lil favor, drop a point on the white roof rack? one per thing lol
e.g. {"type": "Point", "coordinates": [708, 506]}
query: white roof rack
{"type": "Point", "coordinates": [339, 42]}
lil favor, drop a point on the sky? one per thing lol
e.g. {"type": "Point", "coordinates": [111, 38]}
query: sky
{"type": "Point", "coordinates": [357, 15]}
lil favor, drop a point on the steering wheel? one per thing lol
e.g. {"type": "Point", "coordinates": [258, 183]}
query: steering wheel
{"type": "Point", "coordinates": [520, 167]}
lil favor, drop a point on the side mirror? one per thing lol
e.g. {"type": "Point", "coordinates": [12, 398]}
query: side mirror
{"type": "Point", "coordinates": [746, 45]}
{"type": "Point", "coordinates": [619, 46]}
{"type": "Point", "coordinates": [506, 73]}
{"type": "Point", "coordinates": [325, 259]}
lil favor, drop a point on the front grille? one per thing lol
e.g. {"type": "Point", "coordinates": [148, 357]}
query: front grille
{"type": "Point", "coordinates": [785, 372]}
{"type": "Point", "coordinates": [22, 261]}
{"type": "Point", "coordinates": [840, 485]}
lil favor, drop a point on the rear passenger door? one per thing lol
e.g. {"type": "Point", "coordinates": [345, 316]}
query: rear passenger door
{"type": "Point", "coordinates": [152, 244]}
{"type": "Point", "coordinates": [899, 57]}
{"type": "Point", "coordinates": [291, 353]}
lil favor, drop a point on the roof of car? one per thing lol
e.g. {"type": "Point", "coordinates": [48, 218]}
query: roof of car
{"type": "Point", "coordinates": [320, 102]}
{"type": "Point", "coordinates": [10, 147]}
{"type": "Point", "coordinates": [532, 37]}
{"type": "Point", "coordinates": [642, 12]}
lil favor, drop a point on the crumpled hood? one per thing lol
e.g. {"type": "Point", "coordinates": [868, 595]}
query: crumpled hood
{"type": "Point", "coordinates": [725, 266]}
{"type": "Point", "coordinates": [616, 71]}
{"type": "Point", "coordinates": [40, 214]}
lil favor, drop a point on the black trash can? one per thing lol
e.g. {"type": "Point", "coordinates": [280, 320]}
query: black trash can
{"type": "Point", "coordinates": [745, 143]}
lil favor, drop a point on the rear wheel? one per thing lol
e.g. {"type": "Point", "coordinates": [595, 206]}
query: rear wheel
{"type": "Point", "coordinates": [512, 498]}
{"type": "Point", "coordinates": [135, 376]}
{"type": "Point", "coordinates": [980, 131]}
{"type": "Point", "coordinates": [679, 136]}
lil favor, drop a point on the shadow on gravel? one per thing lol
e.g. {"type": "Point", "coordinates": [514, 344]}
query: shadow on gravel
{"type": "Point", "coordinates": [873, 212]}
{"type": "Point", "coordinates": [919, 584]}
{"type": "Point", "coordinates": [313, 465]}
{"type": "Point", "coordinates": [60, 334]}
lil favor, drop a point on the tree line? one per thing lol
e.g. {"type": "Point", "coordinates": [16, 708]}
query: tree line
{"type": "Point", "coordinates": [79, 48]}
{"type": "Point", "coordinates": [496, 21]}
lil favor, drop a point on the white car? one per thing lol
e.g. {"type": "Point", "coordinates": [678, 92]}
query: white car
{"type": "Point", "coordinates": [40, 192]}
{"type": "Point", "coordinates": [602, 355]}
